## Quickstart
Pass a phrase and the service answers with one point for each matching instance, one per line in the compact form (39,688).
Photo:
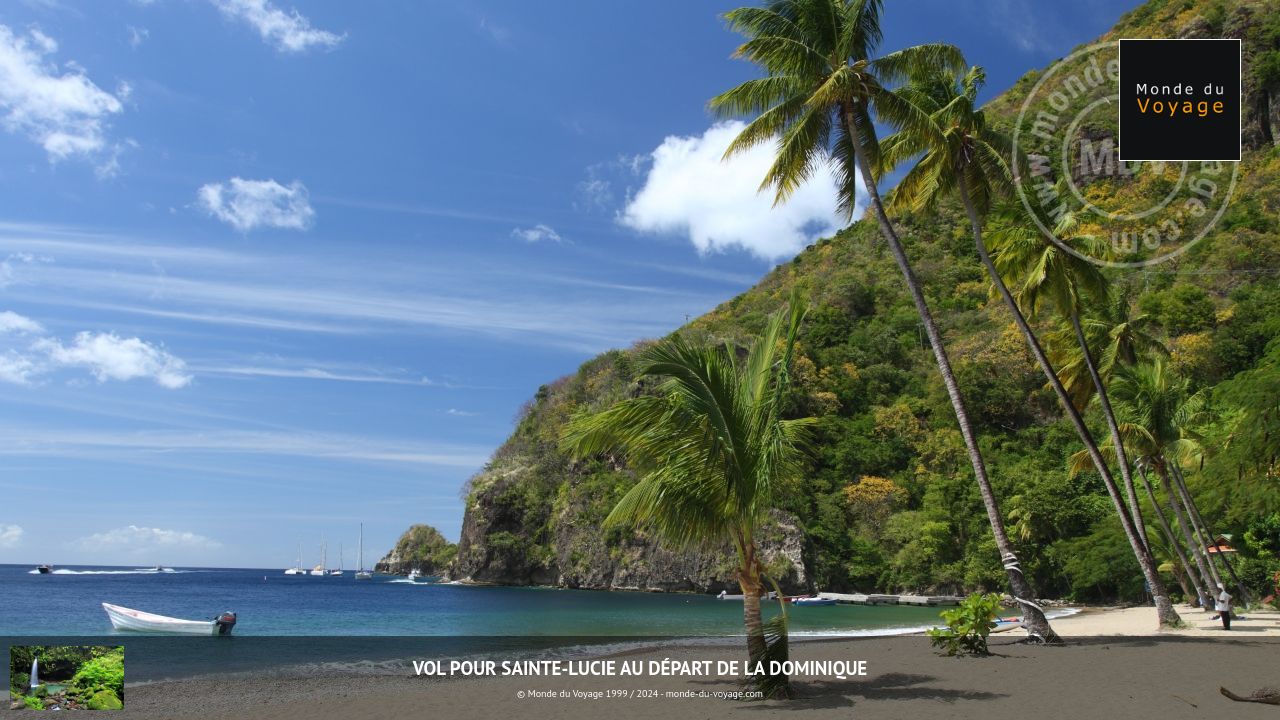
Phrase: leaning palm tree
(1162,415)
(960,154)
(711,450)
(1044,273)
(821,87)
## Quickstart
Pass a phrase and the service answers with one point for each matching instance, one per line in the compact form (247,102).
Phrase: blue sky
(269,269)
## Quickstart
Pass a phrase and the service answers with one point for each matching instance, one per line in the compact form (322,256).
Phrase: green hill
(534,517)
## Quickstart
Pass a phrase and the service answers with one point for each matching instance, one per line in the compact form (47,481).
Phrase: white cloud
(248,204)
(17,369)
(142,540)
(111,357)
(59,108)
(10,536)
(691,190)
(287,31)
(12,322)
(537,233)
(460,413)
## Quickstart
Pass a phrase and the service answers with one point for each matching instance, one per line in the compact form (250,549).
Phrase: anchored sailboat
(297,569)
(319,569)
(361,573)
(339,570)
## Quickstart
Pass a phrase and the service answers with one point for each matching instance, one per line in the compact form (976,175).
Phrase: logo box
(1180,100)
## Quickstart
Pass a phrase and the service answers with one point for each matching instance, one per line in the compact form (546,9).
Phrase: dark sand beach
(1169,676)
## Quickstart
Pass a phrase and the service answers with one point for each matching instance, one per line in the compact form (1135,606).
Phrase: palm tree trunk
(1189,507)
(1207,533)
(1122,458)
(1162,470)
(1033,619)
(1201,597)
(749,579)
(1168,617)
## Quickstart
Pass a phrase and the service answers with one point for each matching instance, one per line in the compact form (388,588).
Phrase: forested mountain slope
(889,502)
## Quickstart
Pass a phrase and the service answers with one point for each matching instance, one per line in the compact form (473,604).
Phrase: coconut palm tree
(1174,546)
(960,154)
(1044,273)
(710,449)
(822,84)
(1164,419)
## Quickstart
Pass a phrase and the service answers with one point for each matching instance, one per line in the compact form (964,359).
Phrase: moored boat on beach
(123,618)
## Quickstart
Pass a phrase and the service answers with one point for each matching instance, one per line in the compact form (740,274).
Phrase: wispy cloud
(691,190)
(61,109)
(537,233)
(287,31)
(10,536)
(144,541)
(249,204)
(348,294)
(137,35)
(29,441)
(311,373)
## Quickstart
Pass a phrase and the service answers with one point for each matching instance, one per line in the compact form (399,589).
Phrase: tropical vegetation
(712,451)
(978,395)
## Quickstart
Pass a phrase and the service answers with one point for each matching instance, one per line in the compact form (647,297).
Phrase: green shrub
(18,681)
(967,625)
(106,671)
(104,700)
(33,703)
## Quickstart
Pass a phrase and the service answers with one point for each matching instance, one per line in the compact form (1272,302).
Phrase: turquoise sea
(269,603)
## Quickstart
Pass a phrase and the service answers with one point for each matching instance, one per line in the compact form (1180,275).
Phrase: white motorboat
(123,618)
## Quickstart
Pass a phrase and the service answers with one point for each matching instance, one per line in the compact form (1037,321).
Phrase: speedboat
(123,618)
(44,569)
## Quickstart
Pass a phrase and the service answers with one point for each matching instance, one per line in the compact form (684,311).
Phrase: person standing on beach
(1223,606)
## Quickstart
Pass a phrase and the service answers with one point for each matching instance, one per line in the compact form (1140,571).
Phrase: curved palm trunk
(1033,619)
(1201,597)
(752,589)
(1168,617)
(1179,512)
(1207,534)
(1131,494)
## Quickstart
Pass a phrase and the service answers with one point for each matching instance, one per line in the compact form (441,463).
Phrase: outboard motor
(225,622)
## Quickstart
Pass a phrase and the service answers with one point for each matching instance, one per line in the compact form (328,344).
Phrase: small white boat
(123,618)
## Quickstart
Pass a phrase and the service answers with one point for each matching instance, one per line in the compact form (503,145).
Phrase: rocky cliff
(420,548)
